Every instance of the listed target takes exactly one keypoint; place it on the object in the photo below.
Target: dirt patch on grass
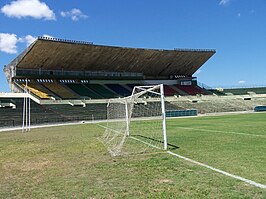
(27, 165)
(162, 181)
(31, 165)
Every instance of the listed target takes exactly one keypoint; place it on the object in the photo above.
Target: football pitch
(70, 162)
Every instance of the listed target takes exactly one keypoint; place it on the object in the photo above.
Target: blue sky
(235, 28)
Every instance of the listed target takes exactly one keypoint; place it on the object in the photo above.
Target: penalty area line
(219, 171)
(217, 131)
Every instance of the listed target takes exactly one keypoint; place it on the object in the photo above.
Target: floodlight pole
(163, 117)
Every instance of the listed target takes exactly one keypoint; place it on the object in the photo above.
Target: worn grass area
(70, 162)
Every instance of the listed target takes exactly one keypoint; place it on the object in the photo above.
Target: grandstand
(72, 80)
(72, 70)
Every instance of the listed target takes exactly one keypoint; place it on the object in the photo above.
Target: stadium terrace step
(239, 91)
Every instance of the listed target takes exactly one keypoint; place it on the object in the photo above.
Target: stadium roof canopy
(58, 54)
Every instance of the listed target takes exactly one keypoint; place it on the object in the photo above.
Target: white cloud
(48, 36)
(242, 82)
(239, 14)
(28, 8)
(224, 2)
(29, 39)
(8, 43)
(75, 14)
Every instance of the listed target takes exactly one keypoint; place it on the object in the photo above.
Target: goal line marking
(217, 131)
(219, 171)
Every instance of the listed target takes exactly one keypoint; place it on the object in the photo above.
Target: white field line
(169, 152)
(77, 123)
(217, 131)
(205, 165)
(53, 125)
(219, 171)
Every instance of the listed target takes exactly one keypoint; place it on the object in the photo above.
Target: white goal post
(26, 109)
(137, 122)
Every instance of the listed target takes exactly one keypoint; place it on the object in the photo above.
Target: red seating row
(170, 90)
(192, 89)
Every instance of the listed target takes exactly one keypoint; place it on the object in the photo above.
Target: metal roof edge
(53, 39)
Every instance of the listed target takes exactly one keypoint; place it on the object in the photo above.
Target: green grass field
(70, 162)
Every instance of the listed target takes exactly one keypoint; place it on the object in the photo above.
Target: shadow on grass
(170, 146)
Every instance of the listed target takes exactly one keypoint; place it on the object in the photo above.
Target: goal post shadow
(169, 146)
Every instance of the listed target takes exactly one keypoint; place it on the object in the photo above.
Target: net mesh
(135, 123)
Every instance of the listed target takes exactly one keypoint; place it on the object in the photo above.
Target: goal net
(136, 124)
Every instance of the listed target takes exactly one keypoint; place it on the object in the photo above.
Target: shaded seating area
(192, 89)
(131, 86)
(37, 89)
(76, 90)
(102, 90)
(37, 92)
(84, 91)
(119, 89)
(57, 113)
(170, 91)
(61, 90)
